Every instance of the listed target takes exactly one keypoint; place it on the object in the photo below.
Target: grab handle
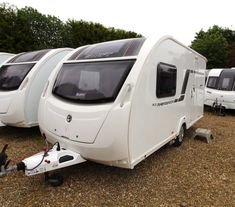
(127, 90)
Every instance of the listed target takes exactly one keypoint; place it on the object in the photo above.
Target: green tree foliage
(218, 45)
(83, 33)
(27, 29)
(7, 21)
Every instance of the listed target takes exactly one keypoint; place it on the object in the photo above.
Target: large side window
(212, 82)
(166, 80)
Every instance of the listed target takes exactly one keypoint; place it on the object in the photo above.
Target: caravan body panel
(124, 131)
(155, 121)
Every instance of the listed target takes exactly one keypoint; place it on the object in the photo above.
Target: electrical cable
(44, 155)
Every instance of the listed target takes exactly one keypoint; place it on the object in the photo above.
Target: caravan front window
(92, 81)
(226, 81)
(212, 82)
(11, 76)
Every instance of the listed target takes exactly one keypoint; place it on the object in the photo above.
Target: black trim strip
(185, 83)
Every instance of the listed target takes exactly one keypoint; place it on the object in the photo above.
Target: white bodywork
(52, 160)
(20, 107)
(3, 58)
(218, 95)
(137, 123)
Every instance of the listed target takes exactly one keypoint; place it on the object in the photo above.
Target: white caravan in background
(220, 88)
(4, 57)
(118, 102)
(22, 79)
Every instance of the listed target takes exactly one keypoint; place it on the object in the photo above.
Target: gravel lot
(195, 174)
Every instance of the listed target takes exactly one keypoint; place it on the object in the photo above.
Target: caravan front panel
(17, 78)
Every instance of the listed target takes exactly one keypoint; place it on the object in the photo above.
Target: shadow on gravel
(108, 175)
(19, 133)
(229, 112)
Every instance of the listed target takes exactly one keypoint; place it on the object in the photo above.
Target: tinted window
(75, 56)
(212, 82)
(11, 76)
(166, 80)
(226, 81)
(29, 56)
(129, 47)
(92, 82)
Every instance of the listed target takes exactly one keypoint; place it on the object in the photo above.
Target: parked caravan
(206, 74)
(220, 88)
(22, 79)
(4, 57)
(118, 102)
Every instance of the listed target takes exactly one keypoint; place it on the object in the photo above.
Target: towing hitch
(4, 164)
(42, 162)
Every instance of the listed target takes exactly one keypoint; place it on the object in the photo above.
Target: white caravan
(220, 88)
(118, 102)
(22, 79)
(4, 57)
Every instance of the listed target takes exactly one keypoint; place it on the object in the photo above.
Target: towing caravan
(220, 88)
(118, 102)
(22, 79)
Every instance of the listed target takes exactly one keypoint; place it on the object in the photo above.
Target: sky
(178, 18)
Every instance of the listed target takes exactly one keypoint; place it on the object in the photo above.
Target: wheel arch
(182, 122)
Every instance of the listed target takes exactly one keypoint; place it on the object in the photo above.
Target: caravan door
(196, 92)
(193, 96)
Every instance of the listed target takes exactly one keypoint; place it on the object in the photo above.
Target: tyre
(180, 138)
(55, 180)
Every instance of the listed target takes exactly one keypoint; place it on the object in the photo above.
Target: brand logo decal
(69, 118)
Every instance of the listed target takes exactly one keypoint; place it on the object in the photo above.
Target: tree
(27, 29)
(218, 45)
(7, 17)
(230, 58)
(212, 45)
(83, 33)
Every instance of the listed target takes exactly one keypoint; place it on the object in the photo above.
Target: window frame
(101, 100)
(158, 85)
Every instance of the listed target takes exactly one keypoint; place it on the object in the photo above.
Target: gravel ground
(195, 174)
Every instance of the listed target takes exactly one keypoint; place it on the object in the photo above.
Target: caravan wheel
(180, 138)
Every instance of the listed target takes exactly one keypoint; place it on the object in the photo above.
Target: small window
(166, 80)
(212, 82)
